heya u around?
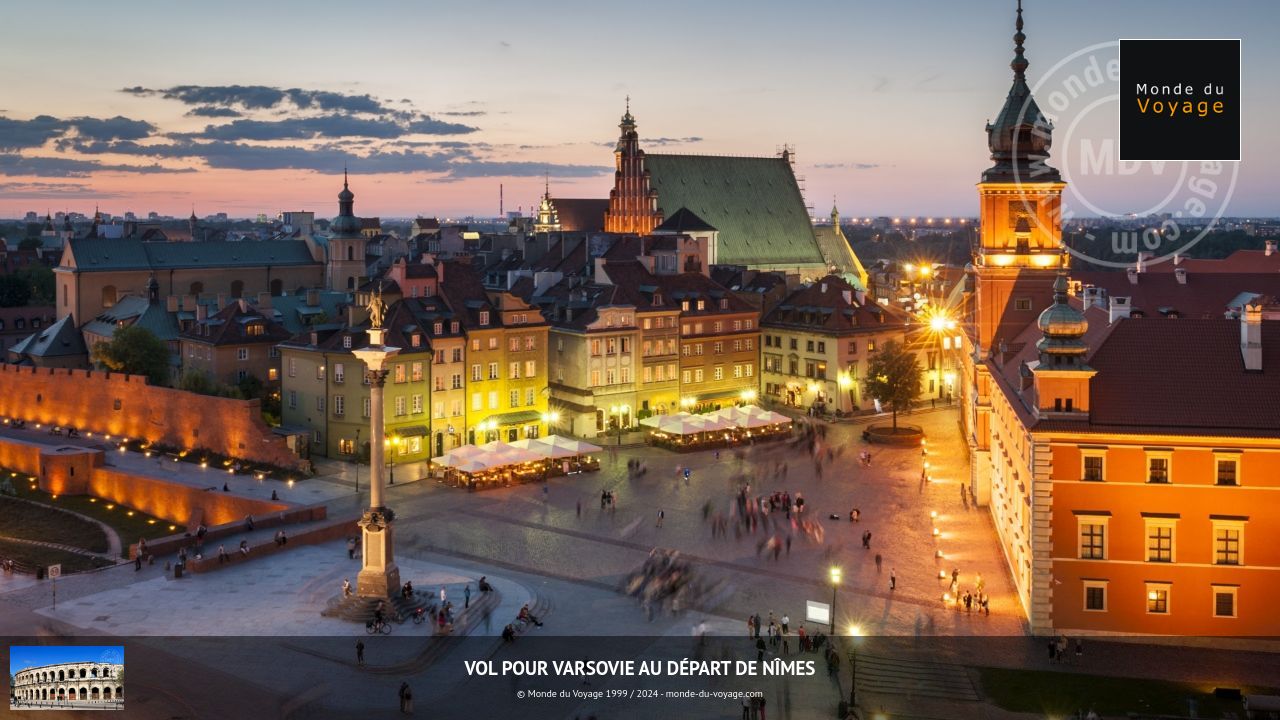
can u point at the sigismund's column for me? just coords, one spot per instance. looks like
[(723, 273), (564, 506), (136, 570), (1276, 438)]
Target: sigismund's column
[(379, 577)]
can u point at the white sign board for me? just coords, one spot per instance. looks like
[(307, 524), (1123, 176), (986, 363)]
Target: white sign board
[(817, 612), (55, 571)]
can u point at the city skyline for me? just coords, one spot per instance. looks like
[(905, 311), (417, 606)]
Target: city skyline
[(862, 111)]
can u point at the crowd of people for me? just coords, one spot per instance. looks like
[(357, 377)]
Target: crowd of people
[(666, 582)]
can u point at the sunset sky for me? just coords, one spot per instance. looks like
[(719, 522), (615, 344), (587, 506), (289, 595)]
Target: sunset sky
[(248, 107)]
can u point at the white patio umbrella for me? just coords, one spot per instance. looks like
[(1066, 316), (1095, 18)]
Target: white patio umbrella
[(573, 445)]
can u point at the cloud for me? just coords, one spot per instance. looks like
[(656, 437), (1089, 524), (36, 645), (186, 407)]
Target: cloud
[(18, 134), (847, 166), (492, 168), (116, 128), (463, 113), (43, 190), (326, 126), (213, 111), (14, 164), (658, 141), (263, 97)]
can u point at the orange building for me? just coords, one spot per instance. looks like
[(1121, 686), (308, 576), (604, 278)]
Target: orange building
[(1130, 464)]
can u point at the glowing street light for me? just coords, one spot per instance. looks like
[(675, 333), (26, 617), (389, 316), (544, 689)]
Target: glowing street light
[(835, 573)]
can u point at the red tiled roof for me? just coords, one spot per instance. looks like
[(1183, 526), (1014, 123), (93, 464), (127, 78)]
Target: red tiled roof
[(1204, 295), (822, 306), (1240, 261)]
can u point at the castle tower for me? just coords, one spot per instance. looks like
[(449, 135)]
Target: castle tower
[(193, 224), (346, 264), (633, 204), (1021, 224), (1061, 375)]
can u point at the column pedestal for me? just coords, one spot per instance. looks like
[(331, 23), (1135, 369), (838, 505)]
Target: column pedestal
[(379, 577)]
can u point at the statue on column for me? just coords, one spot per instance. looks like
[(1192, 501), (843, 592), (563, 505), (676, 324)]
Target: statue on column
[(377, 309)]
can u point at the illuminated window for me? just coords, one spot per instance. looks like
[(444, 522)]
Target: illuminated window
[(1228, 542), (1158, 598), (1093, 537), (1160, 540), (1158, 466)]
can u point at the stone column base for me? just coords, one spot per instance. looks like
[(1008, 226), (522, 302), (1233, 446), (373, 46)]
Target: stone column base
[(379, 576)]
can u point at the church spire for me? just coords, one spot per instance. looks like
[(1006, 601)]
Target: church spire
[(1020, 136), (1019, 63)]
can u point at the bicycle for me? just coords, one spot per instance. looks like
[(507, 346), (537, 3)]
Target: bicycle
[(373, 627)]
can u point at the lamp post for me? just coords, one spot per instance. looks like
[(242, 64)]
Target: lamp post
[(393, 446), (854, 633), (357, 453), (940, 323), (835, 584)]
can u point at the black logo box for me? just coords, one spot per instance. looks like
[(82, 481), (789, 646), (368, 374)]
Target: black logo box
[(1187, 65)]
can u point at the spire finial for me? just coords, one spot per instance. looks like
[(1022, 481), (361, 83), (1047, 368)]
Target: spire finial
[(629, 99), (344, 175), (1019, 63)]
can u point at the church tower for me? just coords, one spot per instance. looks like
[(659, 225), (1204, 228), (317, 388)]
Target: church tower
[(346, 266), (633, 204), (548, 218), (193, 224), (1020, 227)]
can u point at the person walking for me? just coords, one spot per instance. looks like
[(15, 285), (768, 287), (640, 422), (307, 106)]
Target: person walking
[(351, 548), (759, 649), (466, 596), (878, 561), (1079, 648), (406, 699), (360, 653), (346, 588), (137, 562), (662, 514), (443, 594), (786, 622), (893, 579), (755, 619)]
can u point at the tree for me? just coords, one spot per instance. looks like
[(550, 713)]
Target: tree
[(894, 378), (40, 281), (31, 243), (137, 351), (14, 291)]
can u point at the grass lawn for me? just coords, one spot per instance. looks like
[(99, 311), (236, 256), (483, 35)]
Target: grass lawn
[(130, 524), (36, 522), (1062, 693), (36, 555)]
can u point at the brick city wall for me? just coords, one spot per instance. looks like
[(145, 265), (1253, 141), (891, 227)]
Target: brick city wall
[(125, 405), (184, 504)]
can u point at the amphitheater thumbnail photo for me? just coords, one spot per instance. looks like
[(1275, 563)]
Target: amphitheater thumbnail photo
[(66, 677)]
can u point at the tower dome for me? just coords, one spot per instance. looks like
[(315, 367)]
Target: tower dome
[(1063, 327), (346, 224)]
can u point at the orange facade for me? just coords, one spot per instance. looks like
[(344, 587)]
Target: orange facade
[(1208, 547)]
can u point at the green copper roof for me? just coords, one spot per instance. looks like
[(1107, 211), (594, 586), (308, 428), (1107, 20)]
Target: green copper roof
[(754, 202)]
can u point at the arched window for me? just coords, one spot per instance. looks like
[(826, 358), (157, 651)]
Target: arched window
[(62, 675), (95, 672), (109, 296), (197, 287), (84, 694), (351, 252), (237, 288), (119, 692)]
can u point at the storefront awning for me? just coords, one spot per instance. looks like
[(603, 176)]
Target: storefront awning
[(522, 417), (412, 431)]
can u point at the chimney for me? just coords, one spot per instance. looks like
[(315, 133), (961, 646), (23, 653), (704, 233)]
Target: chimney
[(1251, 336), (1133, 275), (1271, 248), (313, 297), (222, 300), (171, 303), (1181, 274), (1143, 257), (189, 302), (202, 312), (244, 305), (1177, 258), (264, 301), (1119, 308)]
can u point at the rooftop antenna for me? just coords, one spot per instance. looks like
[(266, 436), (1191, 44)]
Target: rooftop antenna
[(501, 213)]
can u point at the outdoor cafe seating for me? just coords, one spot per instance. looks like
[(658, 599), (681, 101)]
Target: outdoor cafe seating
[(499, 464)]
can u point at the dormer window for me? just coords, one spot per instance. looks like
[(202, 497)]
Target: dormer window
[(657, 298), (484, 317), (438, 329), (684, 305), (702, 304), (724, 303), (346, 342), (417, 340), (453, 326)]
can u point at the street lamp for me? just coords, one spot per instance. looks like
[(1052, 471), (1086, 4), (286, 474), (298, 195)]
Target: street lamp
[(357, 461), (940, 323), (835, 583), (855, 632), (748, 395), (393, 443)]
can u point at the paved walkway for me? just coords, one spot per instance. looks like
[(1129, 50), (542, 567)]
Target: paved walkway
[(65, 548)]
